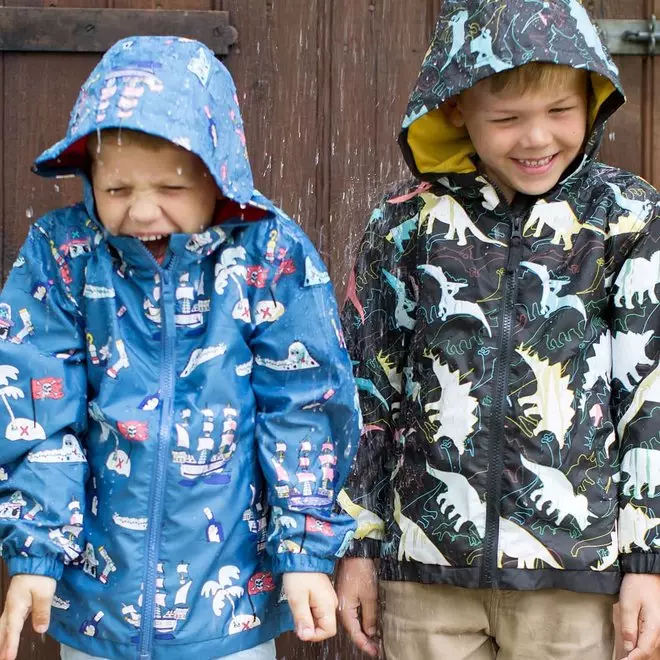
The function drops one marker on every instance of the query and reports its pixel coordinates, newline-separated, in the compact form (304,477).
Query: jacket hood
(169,87)
(475,39)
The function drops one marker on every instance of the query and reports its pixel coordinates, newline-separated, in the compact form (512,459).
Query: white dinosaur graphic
(639,277)
(517,543)
(647,390)
(643,466)
(635,220)
(552,399)
(404,305)
(454,409)
(447,210)
(559,216)
(457,23)
(628,352)
(460,500)
(491,199)
(557,492)
(414,544)
(634,525)
(550,301)
(482,45)
(611,554)
(600,363)
(448,305)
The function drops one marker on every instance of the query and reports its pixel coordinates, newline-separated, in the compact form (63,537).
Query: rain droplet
(29,212)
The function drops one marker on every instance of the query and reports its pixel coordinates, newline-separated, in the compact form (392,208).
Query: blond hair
(532,77)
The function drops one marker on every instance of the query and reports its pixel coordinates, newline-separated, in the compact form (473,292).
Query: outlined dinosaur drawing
(550,301)
(647,390)
(639,277)
(460,503)
(552,399)
(634,525)
(638,212)
(517,543)
(414,545)
(628,352)
(448,305)
(454,409)
(557,492)
(404,305)
(559,216)
(447,210)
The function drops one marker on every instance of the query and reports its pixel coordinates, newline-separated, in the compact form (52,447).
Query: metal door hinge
(630,37)
(73,30)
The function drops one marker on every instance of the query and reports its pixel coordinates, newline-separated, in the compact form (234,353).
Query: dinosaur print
(457,24)
(455,408)
(628,352)
(638,277)
(482,45)
(460,501)
(557,491)
(643,466)
(561,218)
(550,301)
(647,390)
(634,525)
(552,399)
(402,233)
(638,213)
(404,306)
(611,555)
(414,544)
(517,543)
(448,305)
(447,210)
(600,363)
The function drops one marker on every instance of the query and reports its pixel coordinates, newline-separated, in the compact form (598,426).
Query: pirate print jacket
(172,438)
(507,354)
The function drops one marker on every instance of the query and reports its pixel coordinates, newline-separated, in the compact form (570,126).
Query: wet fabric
(172,438)
(507,354)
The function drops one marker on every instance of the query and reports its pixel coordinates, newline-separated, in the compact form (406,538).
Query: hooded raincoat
(172,437)
(508,353)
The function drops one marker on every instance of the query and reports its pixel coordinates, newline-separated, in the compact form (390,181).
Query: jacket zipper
(496,448)
(157,491)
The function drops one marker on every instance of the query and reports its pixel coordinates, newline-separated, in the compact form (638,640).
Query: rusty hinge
(57,29)
(630,37)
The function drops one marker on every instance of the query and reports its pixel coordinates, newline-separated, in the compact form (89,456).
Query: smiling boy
(504,321)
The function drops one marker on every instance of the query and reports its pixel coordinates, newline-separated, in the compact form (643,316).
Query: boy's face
(151,193)
(525,141)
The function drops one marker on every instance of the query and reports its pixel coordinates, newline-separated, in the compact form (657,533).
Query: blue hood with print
(172,437)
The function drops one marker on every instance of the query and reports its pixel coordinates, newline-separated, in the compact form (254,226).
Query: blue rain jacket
(172,438)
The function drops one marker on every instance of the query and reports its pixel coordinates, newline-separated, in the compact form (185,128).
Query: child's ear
(452,110)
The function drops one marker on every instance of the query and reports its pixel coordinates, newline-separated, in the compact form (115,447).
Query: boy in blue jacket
(172,435)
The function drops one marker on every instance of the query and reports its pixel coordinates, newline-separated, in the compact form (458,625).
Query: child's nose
(538,135)
(144,209)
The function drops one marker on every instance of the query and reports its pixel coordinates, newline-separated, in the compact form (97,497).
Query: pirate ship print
(206,457)
(304,491)
(166,616)
(192,303)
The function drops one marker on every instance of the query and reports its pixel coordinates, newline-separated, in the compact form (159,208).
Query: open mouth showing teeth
(154,237)
(542,162)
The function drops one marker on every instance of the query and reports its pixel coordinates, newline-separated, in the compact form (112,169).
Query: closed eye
(503,120)
(557,111)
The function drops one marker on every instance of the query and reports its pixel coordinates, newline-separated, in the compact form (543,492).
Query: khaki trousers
(441,622)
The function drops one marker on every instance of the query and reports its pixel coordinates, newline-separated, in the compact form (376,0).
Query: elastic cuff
(297,563)
(640,562)
(364,549)
(46,566)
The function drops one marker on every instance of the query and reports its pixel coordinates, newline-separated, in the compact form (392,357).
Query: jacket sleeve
(636,395)
(307,421)
(378,317)
(42,413)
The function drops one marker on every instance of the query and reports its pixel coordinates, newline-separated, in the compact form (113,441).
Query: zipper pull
(515,246)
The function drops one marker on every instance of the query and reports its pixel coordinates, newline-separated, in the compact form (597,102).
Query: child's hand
(357,588)
(313,602)
(26,593)
(639,601)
